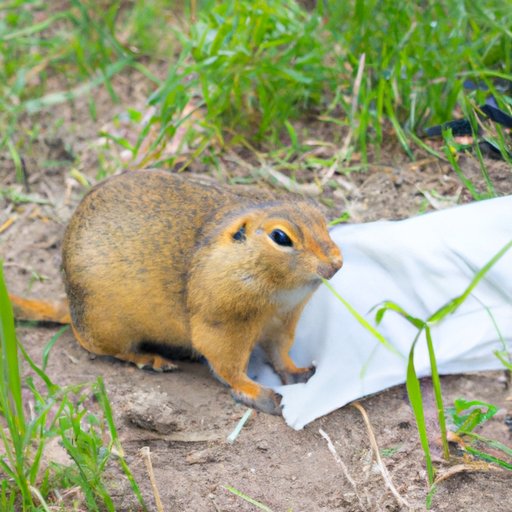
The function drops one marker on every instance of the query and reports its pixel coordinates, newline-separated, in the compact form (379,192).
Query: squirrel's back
(127,252)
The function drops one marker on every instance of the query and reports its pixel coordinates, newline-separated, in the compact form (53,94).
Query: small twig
(7,224)
(338,460)
(35,492)
(146,455)
(73,359)
(382,467)
(43,184)
(215,506)
(342,153)
(193,11)
(177,437)
(357,84)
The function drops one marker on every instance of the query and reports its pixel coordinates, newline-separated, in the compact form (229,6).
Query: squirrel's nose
(328,269)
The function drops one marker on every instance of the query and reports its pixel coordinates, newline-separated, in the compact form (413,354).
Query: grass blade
(10,372)
(454,304)
(38,104)
(250,500)
(44,377)
(415,397)
(491,442)
(33,29)
(11,396)
(436,384)
(50,344)
(103,400)
(450,154)
(362,320)
(488,457)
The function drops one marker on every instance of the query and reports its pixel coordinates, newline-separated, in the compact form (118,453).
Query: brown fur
(151,256)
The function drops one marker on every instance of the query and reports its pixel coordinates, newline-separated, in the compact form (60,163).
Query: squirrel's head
(287,244)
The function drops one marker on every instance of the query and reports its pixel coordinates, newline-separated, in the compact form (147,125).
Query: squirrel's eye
(281,238)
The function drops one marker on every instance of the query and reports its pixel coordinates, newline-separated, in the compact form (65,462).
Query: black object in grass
(462,127)
(490,109)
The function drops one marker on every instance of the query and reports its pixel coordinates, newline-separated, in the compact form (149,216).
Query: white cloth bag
(420,263)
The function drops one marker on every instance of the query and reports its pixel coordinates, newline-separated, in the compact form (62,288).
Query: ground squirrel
(154,260)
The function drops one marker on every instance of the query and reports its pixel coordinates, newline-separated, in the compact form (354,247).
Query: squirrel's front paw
(266,401)
(302,375)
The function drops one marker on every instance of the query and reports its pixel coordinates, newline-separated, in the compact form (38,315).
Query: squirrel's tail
(41,311)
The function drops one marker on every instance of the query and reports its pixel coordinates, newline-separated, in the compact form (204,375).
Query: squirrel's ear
(238,230)
(239,235)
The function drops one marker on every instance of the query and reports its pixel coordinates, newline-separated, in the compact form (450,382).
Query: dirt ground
(186,416)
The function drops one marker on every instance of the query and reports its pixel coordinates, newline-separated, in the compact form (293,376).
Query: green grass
(413,382)
(248,499)
(466,415)
(254,70)
(417,55)
(51,56)
(85,431)
(259,79)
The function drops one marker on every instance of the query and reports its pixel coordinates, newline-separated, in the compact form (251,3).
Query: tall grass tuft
(259,63)
(412,380)
(250,67)
(418,56)
(253,71)
(248,71)
(89,438)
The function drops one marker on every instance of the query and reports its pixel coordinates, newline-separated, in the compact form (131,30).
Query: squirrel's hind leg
(144,361)
(153,362)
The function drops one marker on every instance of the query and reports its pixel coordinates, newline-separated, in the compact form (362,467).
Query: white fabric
(420,263)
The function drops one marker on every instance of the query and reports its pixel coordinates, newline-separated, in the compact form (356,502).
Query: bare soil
(185,417)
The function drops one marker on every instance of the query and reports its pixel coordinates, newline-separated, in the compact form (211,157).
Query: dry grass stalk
(382,467)
(342,154)
(340,463)
(146,455)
